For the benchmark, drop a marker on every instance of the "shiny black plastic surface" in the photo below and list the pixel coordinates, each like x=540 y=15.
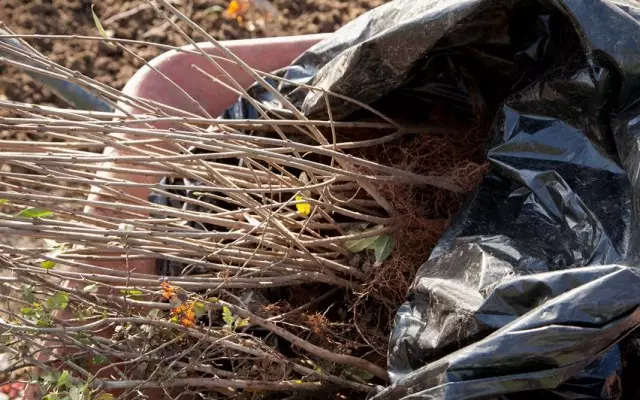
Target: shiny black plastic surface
x=533 y=291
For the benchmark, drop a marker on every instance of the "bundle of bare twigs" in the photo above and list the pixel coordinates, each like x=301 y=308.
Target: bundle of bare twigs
x=297 y=244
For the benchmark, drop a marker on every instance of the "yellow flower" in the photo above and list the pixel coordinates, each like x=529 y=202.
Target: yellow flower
x=304 y=208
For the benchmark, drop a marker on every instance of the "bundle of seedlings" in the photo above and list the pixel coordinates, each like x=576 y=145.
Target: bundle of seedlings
x=229 y=258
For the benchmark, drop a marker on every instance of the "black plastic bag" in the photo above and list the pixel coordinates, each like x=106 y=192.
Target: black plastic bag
x=533 y=291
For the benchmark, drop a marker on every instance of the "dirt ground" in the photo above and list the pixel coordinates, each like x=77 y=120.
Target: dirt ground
x=132 y=20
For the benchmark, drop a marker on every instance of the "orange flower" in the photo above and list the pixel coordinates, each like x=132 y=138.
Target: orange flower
x=237 y=9
x=188 y=319
x=167 y=290
x=185 y=315
x=182 y=311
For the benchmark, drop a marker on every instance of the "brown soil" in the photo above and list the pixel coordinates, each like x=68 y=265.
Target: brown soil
x=113 y=66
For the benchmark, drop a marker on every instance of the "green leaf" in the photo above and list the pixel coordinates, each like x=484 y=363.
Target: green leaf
x=99 y=360
x=50 y=377
x=83 y=312
x=199 y=310
x=34 y=212
x=383 y=247
x=93 y=288
x=357 y=245
x=48 y=264
x=153 y=314
x=104 y=396
x=59 y=301
x=27 y=294
x=4 y=201
x=358 y=374
x=54 y=245
x=64 y=380
x=241 y=322
x=82 y=337
x=27 y=311
x=364 y=375
x=213 y=10
x=96 y=21
x=79 y=393
x=227 y=317
x=131 y=292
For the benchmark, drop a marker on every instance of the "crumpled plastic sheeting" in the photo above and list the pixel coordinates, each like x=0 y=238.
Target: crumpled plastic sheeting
x=533 y=290
x=521 y=297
